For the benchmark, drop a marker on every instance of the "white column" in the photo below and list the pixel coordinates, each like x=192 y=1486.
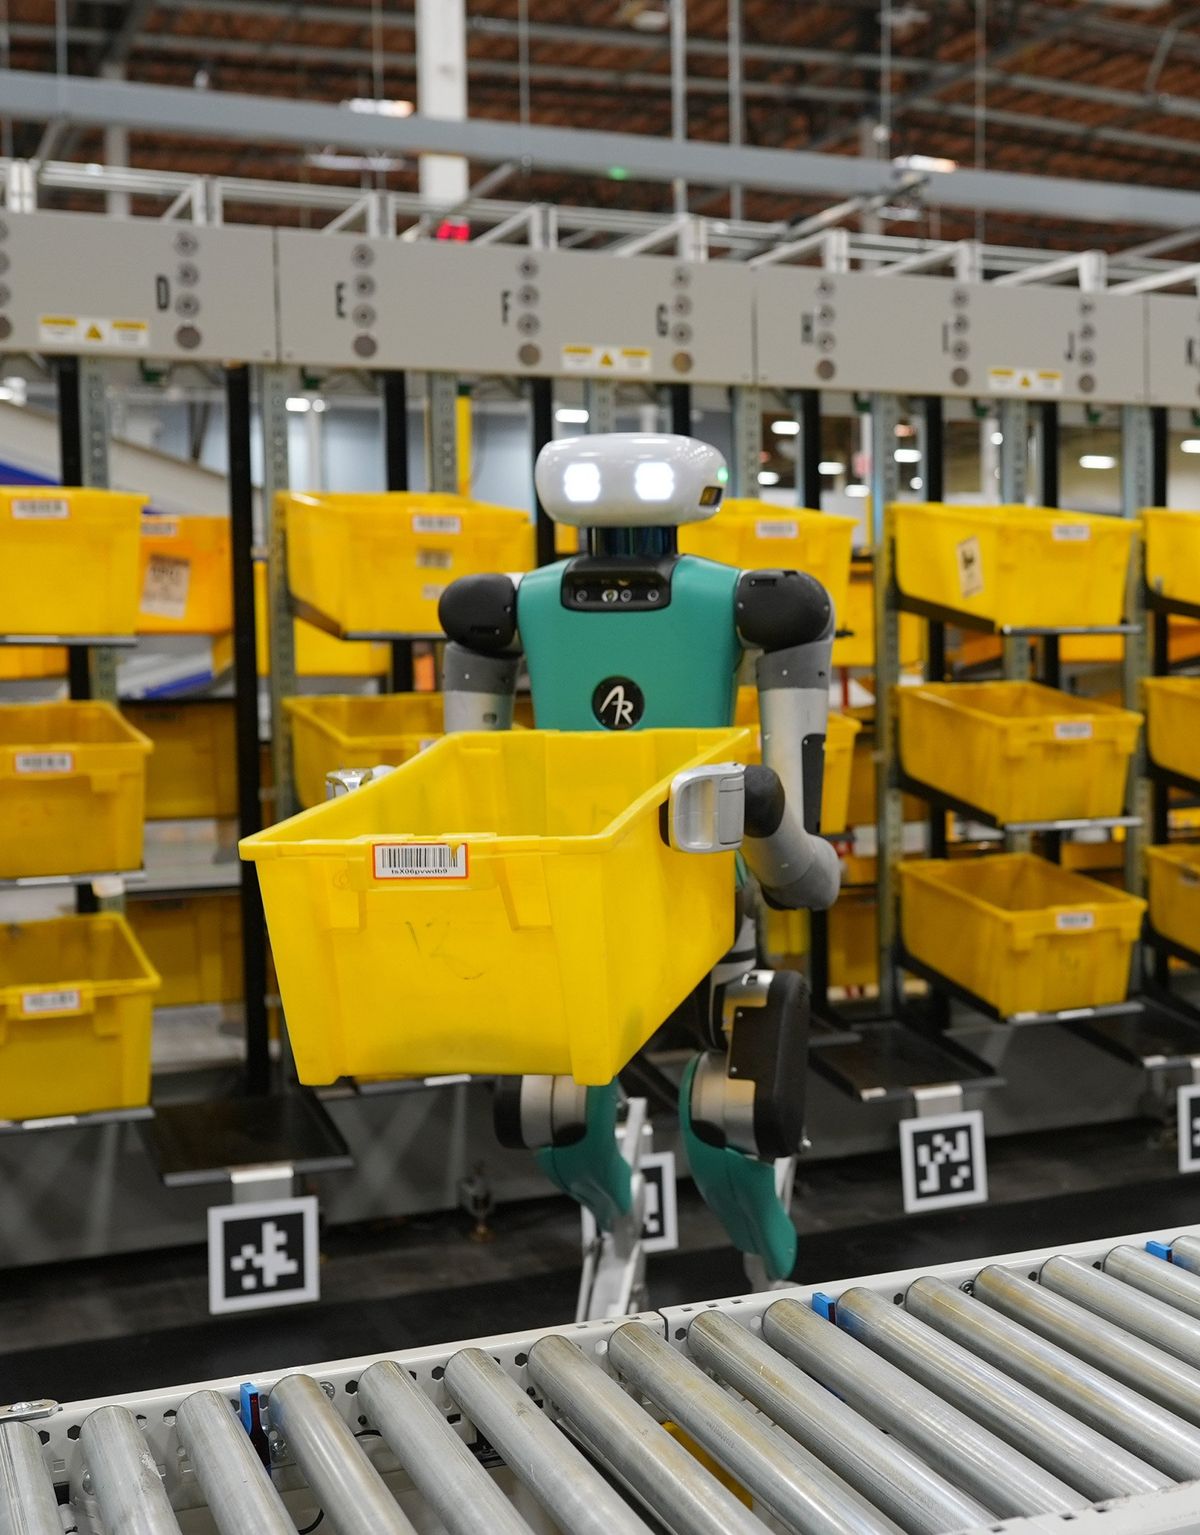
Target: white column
x=442 y=91
x=116 y=148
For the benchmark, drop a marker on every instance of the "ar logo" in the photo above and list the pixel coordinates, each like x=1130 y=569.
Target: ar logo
x=618 y=703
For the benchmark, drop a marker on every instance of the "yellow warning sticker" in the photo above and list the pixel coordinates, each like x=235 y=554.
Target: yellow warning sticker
x=578 y=358
x=1029 y=381
x=93 y=331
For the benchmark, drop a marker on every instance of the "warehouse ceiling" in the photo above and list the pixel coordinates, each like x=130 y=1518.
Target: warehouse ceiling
x=1074 y=88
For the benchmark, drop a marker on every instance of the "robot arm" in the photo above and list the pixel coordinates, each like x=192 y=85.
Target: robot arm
x=789 y=617
x=479 y=615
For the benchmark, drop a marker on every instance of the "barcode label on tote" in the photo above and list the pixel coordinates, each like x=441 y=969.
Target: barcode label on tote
x=1072 y=730
x=50 y=1001
x=434 y=559
x=165 y=586
x=40 y=506
x=781 y=528
x=422 y=524
x=1075 y=921
x=1070 y=533
x=160 y=527
x=420 y=860
x=44 y=762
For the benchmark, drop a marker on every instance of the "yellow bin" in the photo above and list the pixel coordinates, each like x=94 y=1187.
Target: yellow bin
x=839 y=754
x=195 y=944
x=335 y=731
x=31 y=662
x=857 y=648
x=1018 y=750
x=1173 y=723
x=1173 y=878
x=1173 y=553
x=193 y=772
x=1025 y=566
x=756 y=535
x=377 y=564
x=68 y=560
x=76 y=995
x=72 y=790
x=502 y=903
x=317 y=654
x=185 y=576
x=1020 y=932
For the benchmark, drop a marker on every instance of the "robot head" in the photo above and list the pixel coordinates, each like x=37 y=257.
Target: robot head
x=630 y=480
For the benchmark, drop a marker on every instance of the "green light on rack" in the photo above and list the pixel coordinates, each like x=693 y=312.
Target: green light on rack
x=618 y=173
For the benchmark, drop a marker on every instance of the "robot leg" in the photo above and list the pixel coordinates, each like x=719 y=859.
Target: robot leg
x=742 y=1114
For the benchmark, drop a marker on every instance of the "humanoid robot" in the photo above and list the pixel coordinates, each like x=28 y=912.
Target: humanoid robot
x=627 y=635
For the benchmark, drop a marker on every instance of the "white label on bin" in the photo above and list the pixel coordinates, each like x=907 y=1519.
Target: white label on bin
x=434 y=559
x=785 y=527
x=431 y=593
x=1070 y=532
x=420 y=860
x=423 y=524
x=40 y=507
x=160 y=527
x=165 y=586
x=44 y=762
x=1072 y=730
x=65 y=1001
x=1075 y=921
x=970 y=567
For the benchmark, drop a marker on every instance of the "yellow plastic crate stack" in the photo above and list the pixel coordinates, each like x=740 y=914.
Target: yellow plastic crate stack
x=1016 y=930
x=76 y=993
x=407 y=918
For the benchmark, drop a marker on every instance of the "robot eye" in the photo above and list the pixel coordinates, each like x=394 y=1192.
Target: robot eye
x=654 y=480
x=581 y=481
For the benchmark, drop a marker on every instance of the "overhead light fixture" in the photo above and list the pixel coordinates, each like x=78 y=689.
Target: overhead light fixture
x=318 y=406
x=201 y=79
x=905 y=429
x=786 y=428
x=901 y=213
x=1190 y=445
x=571 y=415
x=997 y=439
x=830 y=466
x=330 y=160
x=857 y=491
x=925 y=163
x=380 y=106
x=767 y=477
x=644 y=15
x=1097 y=461
x=297 y=404
x=916 y=483
x=907 y=455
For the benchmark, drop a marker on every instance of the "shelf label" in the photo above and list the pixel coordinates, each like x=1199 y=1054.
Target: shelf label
x=1073 y=730
x=1070 y=532
x=165 y=586
x=420 y=860
x=424 y=524
x=1075 y=921
x=35 y=1002
x=41 y=508
x=1025 y=381
x=783 y=527
x=970 y=567
x=44 y=762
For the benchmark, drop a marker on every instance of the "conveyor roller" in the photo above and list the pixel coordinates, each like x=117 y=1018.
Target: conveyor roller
x=1037 y=1387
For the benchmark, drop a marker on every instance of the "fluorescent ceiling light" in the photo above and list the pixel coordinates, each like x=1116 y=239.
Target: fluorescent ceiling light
x=767 y=477
x=1190 y=445
x=328 y=160
x=297 y=404
x=857 y=490
x=380 y=107
x=571 y=415
x=318 y=406
x=830 y=466
x=916 y=483
x=1097 y=461
x=786 y=428
x=998 y=438
x=907 y=455
x=925 y=163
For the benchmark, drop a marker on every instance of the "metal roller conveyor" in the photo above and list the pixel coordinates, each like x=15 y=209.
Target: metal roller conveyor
x=1141 y=1426
x=576 y=1496
x=235 y=1481
x=956 y=1446
x=1185 y=1252
x=1148 y=1370
x=123 y=1474
x=1164 y=1281
x=793 y=1485
x=351 y=1494
x=888 y=1475
x=442 y=1468
x=28 y=1505
x=1157 y=1322
x=1083 y=1458
x=928 y=1403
